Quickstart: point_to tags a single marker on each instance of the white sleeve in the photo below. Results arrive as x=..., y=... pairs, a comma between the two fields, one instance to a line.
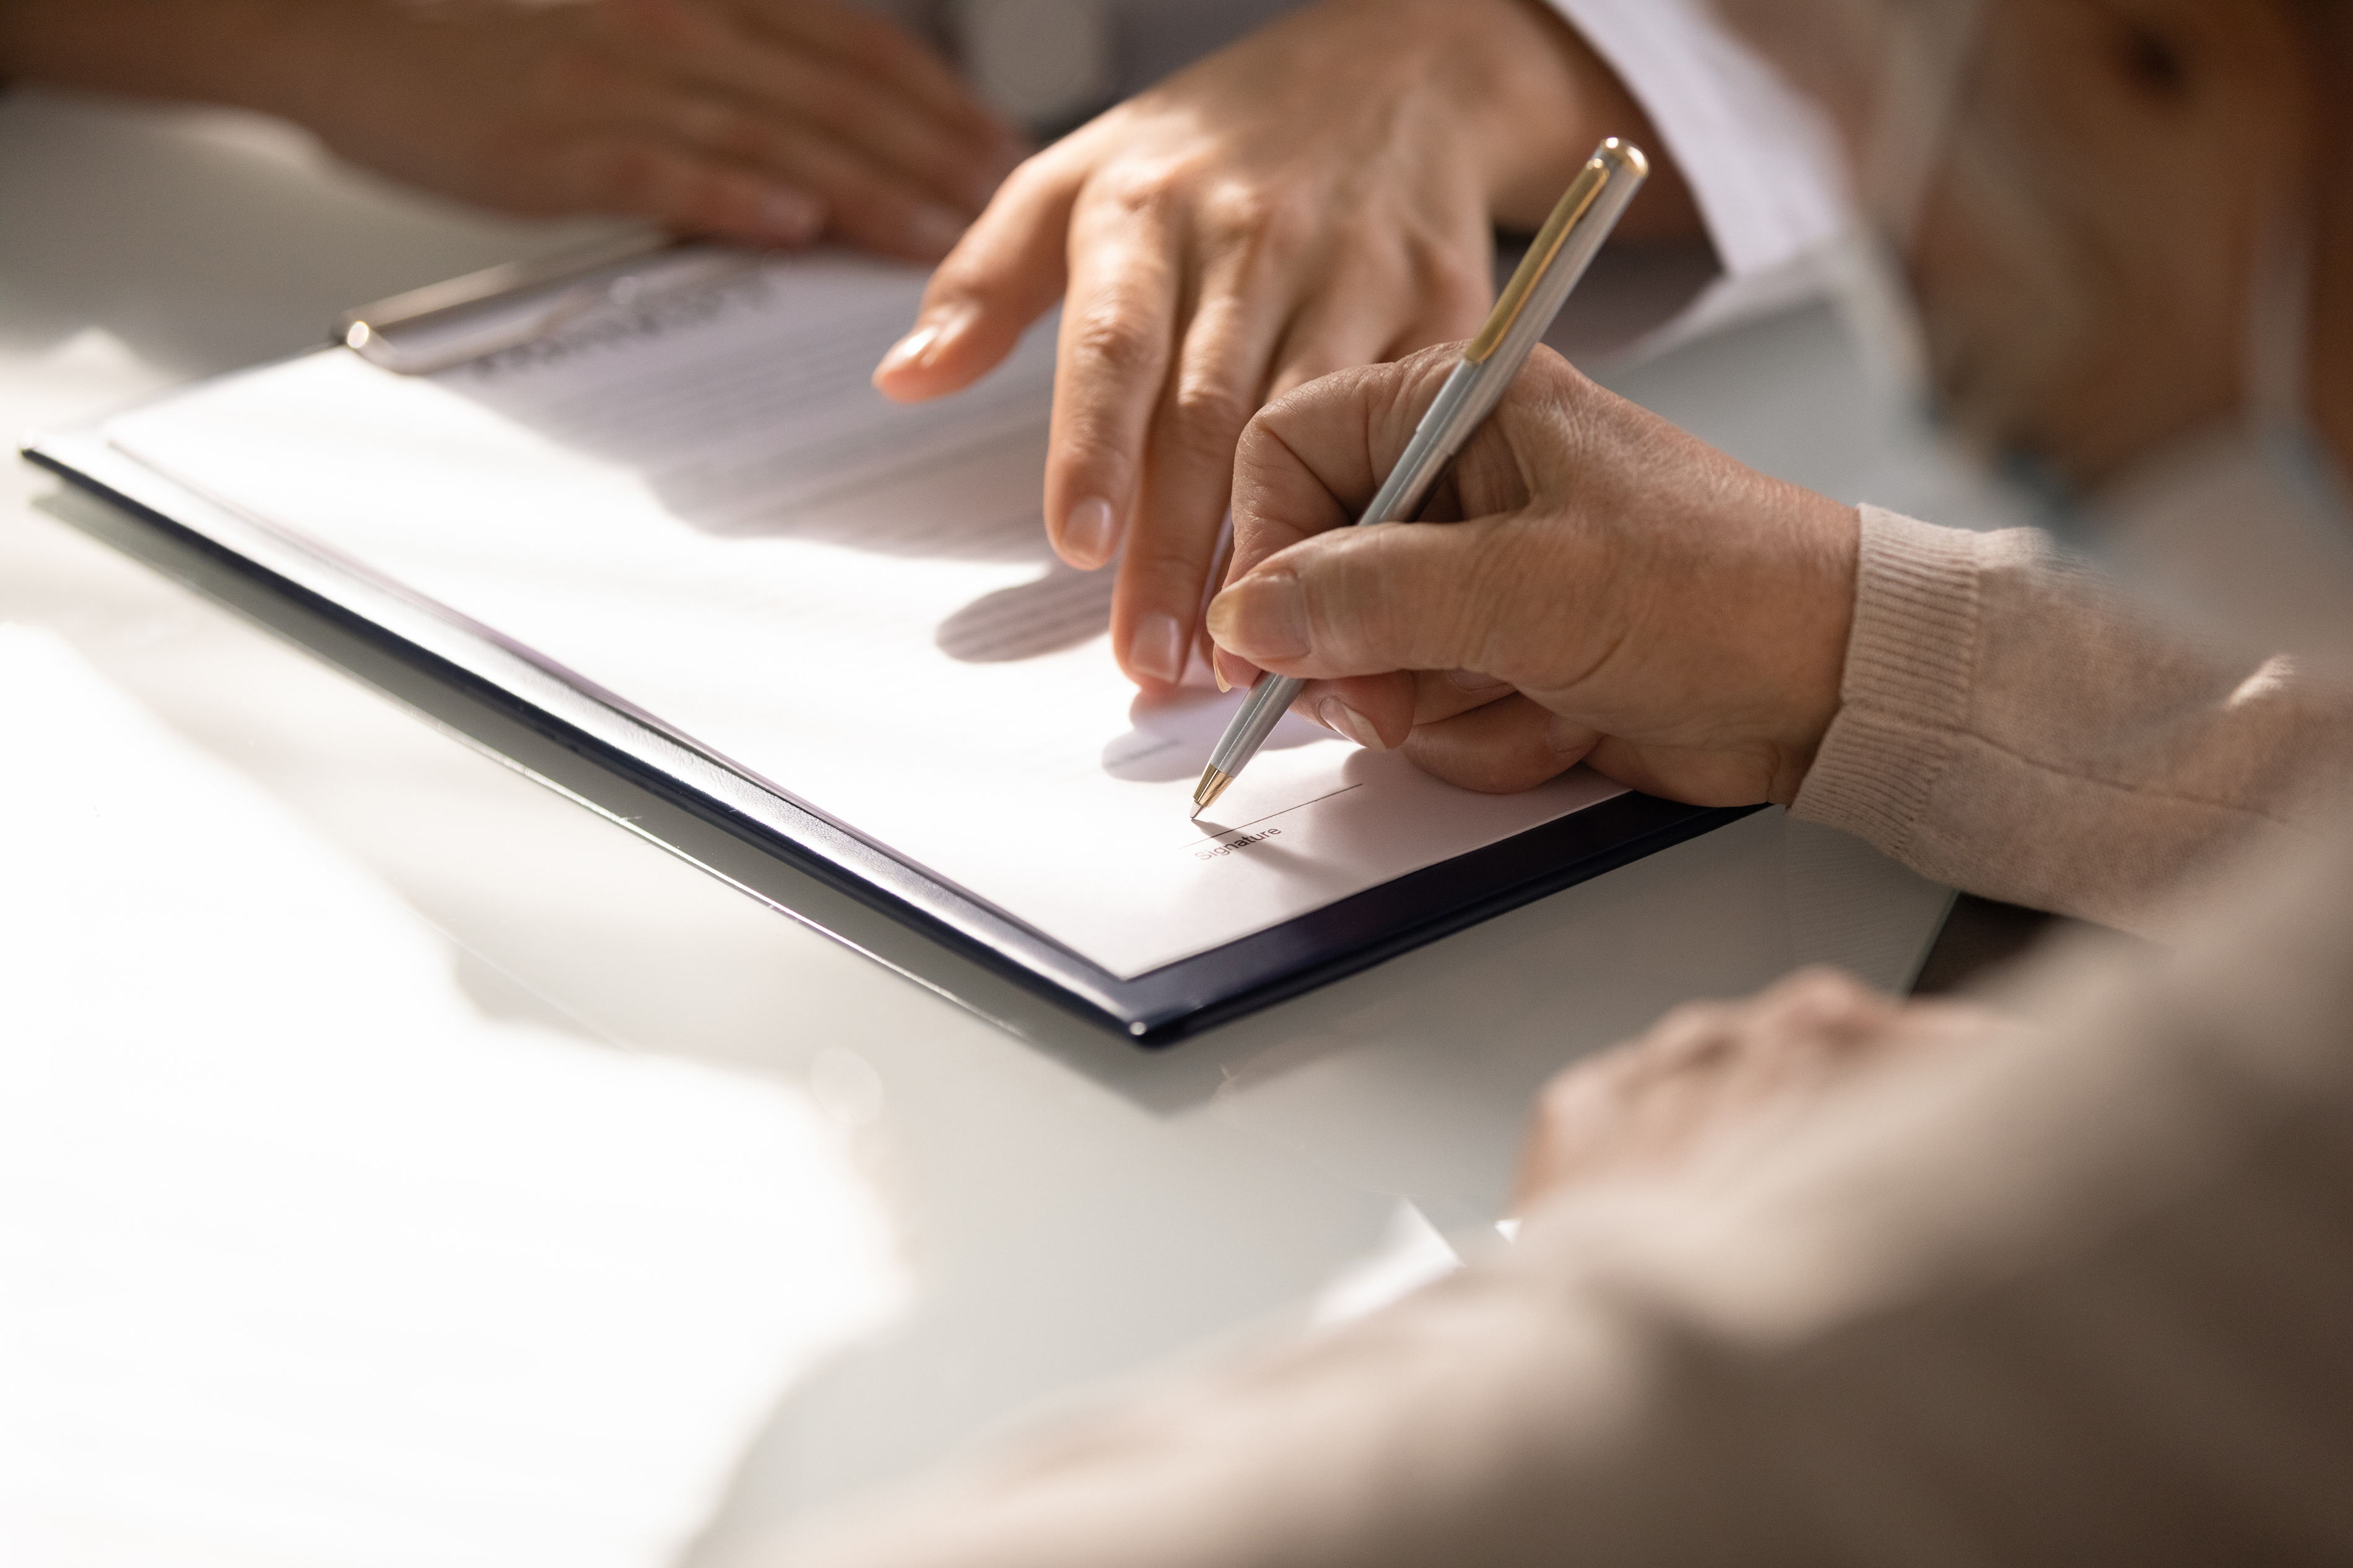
x=1761, y=163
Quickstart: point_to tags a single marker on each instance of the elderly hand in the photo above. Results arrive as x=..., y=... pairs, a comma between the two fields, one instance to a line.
x=1619, y=593
x=769, y=121
x=1319, y=195
x=1712, y=1070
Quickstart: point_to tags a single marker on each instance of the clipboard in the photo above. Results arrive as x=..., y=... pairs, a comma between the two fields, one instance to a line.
x=602, y=750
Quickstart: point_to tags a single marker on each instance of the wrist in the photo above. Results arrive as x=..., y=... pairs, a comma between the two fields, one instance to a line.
x=1546, y=100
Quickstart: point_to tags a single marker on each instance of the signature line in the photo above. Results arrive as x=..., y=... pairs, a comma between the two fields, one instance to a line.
x=1270, y=816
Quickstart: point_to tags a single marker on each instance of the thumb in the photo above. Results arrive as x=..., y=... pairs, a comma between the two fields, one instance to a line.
x=1484, y=596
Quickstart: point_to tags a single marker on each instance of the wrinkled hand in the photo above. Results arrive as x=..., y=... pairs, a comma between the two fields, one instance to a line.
x=1319, y=195
x=1712, y=1070
x=1620, y=593
x=769, y=121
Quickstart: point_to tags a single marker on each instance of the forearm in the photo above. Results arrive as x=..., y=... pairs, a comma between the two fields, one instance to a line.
x=1564, y=98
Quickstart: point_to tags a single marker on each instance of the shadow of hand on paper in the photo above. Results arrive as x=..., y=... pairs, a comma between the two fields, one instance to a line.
x=1059, y=610
x=1173, y=734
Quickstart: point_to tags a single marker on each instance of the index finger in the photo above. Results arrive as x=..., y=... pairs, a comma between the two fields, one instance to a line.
x=1312, y=460
x=1008, y=267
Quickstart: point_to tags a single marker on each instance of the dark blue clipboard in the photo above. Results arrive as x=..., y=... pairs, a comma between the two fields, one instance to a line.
x=603, y=751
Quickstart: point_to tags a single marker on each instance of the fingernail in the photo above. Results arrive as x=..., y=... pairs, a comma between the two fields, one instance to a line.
x=1090, y=533
x=1158, y=648
x=1262, y=616
x=791, y=217
x=933, y=230
x=1339, y=717
x=1240, y=673
x=916, y=346
x=1471, y=681
x=922, y=349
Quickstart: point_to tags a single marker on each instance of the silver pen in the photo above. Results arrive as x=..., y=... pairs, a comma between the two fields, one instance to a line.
x=1562, y=251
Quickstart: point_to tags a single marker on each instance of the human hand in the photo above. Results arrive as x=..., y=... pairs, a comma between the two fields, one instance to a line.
x=1711, y=1069
x=1319, y=195
x=1621, y=593
x=768, y=122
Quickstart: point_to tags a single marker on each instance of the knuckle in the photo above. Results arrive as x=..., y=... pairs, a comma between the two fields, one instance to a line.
x=1567, y=1098
x=1205, y=419
x=1146, y=188
x=1820, y=984
x=1107, y=343
x=1256, y=227
x=1237, y=212
x=1688, y=1021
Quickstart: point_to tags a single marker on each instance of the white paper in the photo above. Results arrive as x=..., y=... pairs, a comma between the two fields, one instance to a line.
x=310, y=1264
x=698, y=503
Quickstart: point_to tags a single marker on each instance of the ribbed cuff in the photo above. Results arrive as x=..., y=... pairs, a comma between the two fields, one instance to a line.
x=1911, y=661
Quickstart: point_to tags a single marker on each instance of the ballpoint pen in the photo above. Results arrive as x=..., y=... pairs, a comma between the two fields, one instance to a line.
x=1562, y=251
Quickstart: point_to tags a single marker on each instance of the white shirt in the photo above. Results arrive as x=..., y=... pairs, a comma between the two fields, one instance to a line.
x=1761, y=163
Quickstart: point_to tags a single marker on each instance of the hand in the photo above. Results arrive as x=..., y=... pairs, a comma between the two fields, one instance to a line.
x=1711, y=1070
x=768, y=122
x=1621, y=593
x=1319, y=195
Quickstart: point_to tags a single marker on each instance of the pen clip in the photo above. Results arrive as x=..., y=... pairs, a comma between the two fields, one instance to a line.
x=1574, y=204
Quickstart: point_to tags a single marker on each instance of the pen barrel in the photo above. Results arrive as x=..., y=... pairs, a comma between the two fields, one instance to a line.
x=1554, y=264
x=1435, y=441
x=1255, y=719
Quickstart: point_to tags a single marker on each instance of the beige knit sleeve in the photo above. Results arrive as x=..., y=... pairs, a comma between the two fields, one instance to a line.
x=2012, y=726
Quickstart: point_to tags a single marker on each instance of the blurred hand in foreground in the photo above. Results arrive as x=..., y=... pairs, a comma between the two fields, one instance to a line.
x=1601, y=587
x=1319, y=195
x=768, y=122
x=1711, y=1072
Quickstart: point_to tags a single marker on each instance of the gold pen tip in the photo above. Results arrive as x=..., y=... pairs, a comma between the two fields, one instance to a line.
x=1213, y=784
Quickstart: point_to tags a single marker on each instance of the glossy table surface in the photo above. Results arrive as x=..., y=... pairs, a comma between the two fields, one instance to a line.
x=1052, y=1213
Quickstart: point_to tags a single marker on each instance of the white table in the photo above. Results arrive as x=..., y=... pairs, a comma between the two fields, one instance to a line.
x=1067, y=1210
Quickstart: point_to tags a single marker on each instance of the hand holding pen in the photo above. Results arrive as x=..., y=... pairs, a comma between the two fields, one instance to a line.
x=1587, y=583
x=1557, y=257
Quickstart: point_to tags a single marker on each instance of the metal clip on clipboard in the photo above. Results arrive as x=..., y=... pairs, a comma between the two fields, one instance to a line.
x=446, y=324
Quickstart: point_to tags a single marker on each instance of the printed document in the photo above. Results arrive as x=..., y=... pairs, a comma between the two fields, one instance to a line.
x=694, y=499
